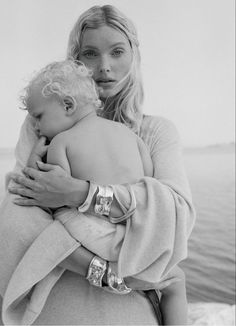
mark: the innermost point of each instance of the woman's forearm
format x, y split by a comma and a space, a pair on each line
78, 261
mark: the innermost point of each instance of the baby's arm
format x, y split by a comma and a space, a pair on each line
146, 158
174, 305
56, 153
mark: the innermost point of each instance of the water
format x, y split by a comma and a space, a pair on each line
210, 267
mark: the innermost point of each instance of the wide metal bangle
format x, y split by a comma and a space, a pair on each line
96, 271
127, 213
87, 203
116, 284
104, 200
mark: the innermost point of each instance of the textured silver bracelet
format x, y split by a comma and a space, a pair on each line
116, 284
96, 271
127, 213
104, 200
87, 203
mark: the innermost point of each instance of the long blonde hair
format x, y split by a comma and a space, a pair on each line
126, 106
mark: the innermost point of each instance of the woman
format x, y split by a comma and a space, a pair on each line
106, 41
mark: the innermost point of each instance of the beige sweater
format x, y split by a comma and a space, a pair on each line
32, 245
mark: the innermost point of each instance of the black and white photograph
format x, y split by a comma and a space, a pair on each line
117, 162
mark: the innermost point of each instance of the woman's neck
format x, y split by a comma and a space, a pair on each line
108, 111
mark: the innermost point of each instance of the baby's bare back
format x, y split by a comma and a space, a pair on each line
104, 152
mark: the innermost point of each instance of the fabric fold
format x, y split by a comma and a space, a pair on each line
96, 234
36, 274
150, 262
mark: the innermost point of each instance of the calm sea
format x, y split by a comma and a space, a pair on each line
210, 267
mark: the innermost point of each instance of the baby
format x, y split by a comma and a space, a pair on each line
64, 101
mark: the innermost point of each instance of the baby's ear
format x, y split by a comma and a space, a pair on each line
69, 105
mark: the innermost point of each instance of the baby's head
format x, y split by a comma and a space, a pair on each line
58, 95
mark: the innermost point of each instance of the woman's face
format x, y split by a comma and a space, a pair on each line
108, 53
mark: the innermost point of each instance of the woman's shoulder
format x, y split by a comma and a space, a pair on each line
159, 134
28, 123
27, 131
154, 128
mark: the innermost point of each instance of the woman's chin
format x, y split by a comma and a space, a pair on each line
104, 94
109, 92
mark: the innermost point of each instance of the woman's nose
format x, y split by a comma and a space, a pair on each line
105, 65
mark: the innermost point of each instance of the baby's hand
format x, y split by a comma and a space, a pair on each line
40, 148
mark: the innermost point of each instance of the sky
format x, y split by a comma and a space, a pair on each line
187, 49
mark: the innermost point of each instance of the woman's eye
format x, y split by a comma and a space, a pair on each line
117, 52
89, 54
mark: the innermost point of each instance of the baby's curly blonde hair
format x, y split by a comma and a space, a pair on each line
65, 78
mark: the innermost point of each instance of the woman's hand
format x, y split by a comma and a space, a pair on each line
51, 187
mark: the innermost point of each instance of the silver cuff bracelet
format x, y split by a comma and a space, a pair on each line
116, 284
96, 271
104, 200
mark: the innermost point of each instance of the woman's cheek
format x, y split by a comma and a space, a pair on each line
89, 64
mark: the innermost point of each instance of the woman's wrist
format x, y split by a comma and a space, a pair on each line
101, 274
78, 261
100, 200
78, 191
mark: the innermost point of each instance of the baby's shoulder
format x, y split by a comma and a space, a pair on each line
116, 129
60, 140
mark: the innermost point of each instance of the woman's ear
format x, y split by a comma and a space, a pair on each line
69, 105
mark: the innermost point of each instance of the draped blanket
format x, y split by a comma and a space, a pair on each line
29, 268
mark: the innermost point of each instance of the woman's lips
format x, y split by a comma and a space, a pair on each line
105, 83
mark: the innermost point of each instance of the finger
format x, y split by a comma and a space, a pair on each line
19, 178
25, 202
32, 173
46, 166
45, 148
42, 140
26, 182
25, 192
